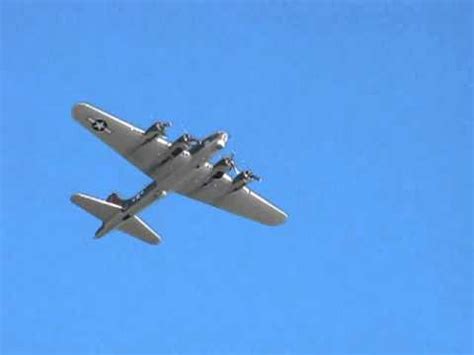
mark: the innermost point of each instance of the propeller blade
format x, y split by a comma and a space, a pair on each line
234, 164
164, 126
189, 137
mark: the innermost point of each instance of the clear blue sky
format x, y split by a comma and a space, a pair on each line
357, 114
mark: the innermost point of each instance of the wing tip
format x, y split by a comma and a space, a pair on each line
157, 241
75, 198
279, 219
79, 108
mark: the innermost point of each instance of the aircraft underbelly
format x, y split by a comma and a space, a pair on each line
178, 166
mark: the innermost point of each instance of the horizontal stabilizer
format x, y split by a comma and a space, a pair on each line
100, 209
104, 210
139, 229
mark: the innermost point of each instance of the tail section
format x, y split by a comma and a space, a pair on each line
106, 210
116, 199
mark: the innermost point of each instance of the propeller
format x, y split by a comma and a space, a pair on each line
246, 174
189, 138
163, 126
230, 160
251, 176
232, 163
158, 128
243, 179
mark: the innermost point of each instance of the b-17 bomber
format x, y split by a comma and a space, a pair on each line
182, 166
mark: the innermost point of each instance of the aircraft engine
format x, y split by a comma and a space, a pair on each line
222, 166
157, 129
182, 143
185, 139
243, 179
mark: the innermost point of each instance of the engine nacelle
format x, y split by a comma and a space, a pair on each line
158, 129
243, 179
182, 143
221, 167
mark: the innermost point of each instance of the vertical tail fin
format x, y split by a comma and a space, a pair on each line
116, 199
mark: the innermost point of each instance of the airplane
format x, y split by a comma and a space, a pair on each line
180, 166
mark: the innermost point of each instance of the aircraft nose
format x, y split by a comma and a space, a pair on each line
222, 140
224, 136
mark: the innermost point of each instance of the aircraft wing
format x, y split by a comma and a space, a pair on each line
243, 202
128, 140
